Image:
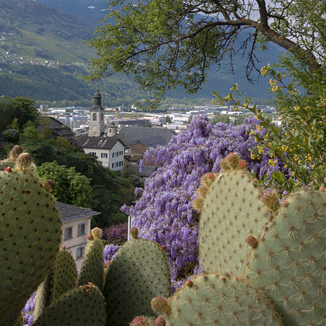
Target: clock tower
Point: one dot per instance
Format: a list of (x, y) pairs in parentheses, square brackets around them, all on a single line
[(96, 122)]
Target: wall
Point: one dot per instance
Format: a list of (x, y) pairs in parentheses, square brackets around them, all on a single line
[(76, 241)]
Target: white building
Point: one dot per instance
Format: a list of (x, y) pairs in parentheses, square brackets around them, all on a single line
[(107, 150), (76, 225)]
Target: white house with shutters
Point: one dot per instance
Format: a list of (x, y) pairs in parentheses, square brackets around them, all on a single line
[(76, 225), (109, 151)]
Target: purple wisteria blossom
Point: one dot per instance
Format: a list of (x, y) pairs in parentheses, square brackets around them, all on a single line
[(116, 234), (109, 252), (164, 213), (28, 311)]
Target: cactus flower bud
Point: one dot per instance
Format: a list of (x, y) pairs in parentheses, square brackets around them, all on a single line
[(160, 305), (97, 233), (15, 152), (24, 162), (252, 241), (49, 185), (134, 233), (159, 321)]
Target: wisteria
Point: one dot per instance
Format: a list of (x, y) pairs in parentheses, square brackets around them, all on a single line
[(116, 234), (28, 311), (164, 213), (109, 252)]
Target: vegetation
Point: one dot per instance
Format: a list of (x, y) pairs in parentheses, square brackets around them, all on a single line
[(167, 44), (80, 180)]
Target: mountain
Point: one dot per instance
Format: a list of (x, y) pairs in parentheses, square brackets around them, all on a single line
[(88, 11), (43, 56)]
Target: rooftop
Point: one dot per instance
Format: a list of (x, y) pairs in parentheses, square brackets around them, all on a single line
[(71, 213)]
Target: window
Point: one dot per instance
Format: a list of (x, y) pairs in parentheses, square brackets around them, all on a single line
[(104, 155), (112, 154), (112, 165), (80, 253), (116, 164), (102, 117), (120, 163), (127, 151), (81, 229), (94, 116), (68, 233)]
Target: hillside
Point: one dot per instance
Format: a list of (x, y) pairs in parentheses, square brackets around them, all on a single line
[(42, 56)]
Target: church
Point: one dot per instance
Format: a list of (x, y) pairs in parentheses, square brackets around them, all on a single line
[(106, 147)]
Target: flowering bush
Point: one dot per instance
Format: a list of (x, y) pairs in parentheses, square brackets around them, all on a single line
[(164, 213), (116, 234)]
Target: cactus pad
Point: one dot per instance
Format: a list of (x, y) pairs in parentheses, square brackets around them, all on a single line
[(218, 300), (93, 264), (30, 235), (82, 306), (231, 212), (65, 274), (138, 272), (289, 262)]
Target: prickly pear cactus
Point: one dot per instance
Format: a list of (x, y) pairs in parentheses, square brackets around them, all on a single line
[(82, 306), (44, 294), (231, 211), (12, 157), (65, 273), (93, 264), (210, 299), (30, 235), (289, 262), (138, 272)]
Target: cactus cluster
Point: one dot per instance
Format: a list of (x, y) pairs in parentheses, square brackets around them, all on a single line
[(263, 260), (30, 236)]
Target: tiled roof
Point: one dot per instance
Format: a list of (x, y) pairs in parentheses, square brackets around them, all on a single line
[(130, 135), (153, 142), (71, 213), (97, 142)]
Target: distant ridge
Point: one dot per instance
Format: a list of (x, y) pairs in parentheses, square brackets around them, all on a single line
[(42, 56)]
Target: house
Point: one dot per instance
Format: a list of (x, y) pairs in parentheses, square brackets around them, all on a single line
[(56, 128), (76, 225), (108, 150), (134, 152)]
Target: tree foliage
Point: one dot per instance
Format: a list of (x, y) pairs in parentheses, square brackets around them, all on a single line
[(71, 187), (167, 43), (19, 111)]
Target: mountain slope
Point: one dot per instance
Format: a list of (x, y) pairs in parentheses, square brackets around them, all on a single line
[(42, 56)]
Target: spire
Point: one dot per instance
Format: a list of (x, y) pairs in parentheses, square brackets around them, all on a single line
[(97, 100)]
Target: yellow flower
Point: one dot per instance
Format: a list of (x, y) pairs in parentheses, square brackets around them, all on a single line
[(271, 163), (274, 88)]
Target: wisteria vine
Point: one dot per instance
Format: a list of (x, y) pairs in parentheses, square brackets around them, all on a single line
[(164, 212)]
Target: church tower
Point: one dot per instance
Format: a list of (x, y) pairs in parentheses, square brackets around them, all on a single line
[(96, 122)]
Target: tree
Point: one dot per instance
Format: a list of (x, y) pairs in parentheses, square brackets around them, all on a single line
[(71, 187), (168, 43)]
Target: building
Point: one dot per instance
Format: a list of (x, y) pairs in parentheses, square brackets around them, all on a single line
[(76, 225), (109, 151), (96, 122)]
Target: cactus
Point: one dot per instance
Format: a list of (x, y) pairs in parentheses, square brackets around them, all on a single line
[(12, 157), (30, 234), (219, 300), (82, 306), (61, 278), (138, 272), (231, 211), (92, 269), (289, 262)]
